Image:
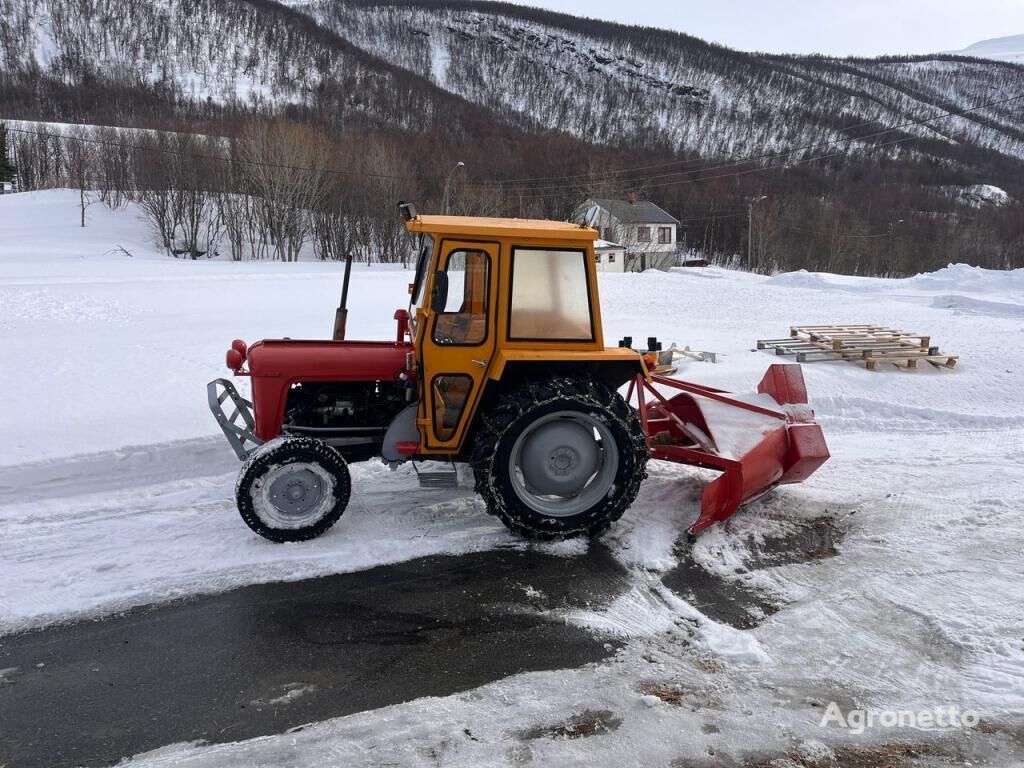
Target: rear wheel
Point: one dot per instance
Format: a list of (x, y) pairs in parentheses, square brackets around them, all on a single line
[(293, 489), (560, 458)]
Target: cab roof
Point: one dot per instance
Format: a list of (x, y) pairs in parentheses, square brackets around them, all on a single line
[(471, 226)]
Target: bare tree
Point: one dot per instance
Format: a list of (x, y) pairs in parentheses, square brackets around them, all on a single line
[(285, 164), (81, 167)]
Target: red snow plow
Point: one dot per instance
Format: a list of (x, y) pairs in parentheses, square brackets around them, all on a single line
[(499, 363), (771, 443)]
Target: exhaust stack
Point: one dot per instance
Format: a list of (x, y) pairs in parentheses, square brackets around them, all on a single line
[(341, 313)]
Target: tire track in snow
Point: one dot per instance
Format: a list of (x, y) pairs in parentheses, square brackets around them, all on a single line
[(860, 414)]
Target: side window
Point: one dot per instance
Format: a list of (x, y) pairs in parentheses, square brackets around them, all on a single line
[(664, 235), (420, 279), (422, 261), (550, 297), (464, 319), (643, 234)]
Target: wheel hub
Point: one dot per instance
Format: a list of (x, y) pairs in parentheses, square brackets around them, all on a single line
[(564, 460), (559, 457), (296, 491)]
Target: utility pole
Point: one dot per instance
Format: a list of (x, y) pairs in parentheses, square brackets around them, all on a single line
[(750, 230), (444, 205)]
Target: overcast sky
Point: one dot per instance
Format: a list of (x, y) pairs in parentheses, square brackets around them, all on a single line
[(838, 27)]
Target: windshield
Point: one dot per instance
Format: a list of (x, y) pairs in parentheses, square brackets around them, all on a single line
[(426, 249)]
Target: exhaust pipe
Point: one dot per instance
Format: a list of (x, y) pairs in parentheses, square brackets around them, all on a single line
[(341, 313)]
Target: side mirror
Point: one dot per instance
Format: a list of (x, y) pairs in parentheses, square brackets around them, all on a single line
[(408, 210), (439, 296)]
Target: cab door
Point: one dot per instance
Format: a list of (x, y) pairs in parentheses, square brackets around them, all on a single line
[(457, 341)]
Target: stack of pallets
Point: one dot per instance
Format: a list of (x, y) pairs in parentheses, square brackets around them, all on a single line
[(869, 344)]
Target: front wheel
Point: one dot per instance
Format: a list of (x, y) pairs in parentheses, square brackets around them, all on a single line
[(293, 489), (560, 458)]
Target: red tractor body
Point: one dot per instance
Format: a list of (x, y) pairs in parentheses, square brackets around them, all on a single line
[(275, 366)]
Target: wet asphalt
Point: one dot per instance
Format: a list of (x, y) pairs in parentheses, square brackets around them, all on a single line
[(266, 658)]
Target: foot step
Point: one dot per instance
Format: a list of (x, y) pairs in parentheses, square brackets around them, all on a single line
[(438, 479)]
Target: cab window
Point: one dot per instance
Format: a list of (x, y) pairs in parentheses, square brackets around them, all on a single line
[(550, 296), (450, 394), (464, 319), (422, 262)]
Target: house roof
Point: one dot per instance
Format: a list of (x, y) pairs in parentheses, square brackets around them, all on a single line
[(604, 245), (641, 212)]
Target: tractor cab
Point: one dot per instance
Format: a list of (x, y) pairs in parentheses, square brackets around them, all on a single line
[(494, 298)]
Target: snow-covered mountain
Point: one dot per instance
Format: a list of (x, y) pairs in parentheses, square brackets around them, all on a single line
[(1009, 48), (124, 62), (615, 84), (457, 65)]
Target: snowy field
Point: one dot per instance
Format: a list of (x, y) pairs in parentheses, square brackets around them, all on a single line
[(116, 491)]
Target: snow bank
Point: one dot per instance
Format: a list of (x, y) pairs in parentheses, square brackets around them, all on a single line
[(955, 277), (968, 279)]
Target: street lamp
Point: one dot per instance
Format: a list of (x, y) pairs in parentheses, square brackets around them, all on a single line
[(444, 205), (750, 230)]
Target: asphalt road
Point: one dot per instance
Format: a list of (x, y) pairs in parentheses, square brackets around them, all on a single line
[(266, 658)]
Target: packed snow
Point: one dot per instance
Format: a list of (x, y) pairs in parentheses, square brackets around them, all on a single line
[(116, 491)]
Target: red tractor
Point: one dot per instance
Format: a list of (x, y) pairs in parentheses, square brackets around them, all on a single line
[(500, 362)]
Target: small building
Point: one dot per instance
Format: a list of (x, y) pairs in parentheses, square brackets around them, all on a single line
[(646, 232), (609, 257), (6, 187)]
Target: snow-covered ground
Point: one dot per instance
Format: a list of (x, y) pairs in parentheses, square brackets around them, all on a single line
[(1009, 48), (115, 490)]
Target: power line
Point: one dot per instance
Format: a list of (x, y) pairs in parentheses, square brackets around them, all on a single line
[(559, 190), (612, 174), (196, 156), (808, 231), (763, 169), (740, 161)]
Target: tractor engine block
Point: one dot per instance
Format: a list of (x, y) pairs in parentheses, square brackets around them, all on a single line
[(351, 416)]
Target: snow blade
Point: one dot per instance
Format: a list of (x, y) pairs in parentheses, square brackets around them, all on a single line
[(756, 443)]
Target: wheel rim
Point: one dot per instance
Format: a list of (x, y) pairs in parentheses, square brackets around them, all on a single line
[(295, 495), (564, 463)]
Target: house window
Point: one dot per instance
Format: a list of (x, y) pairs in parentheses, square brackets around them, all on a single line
[(643, 234), (597, 258), (611, 258), (664, 235)]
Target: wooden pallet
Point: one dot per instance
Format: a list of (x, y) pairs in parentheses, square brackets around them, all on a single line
[(869, 344)]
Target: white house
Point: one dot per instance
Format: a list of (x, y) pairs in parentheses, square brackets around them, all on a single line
[(646, 231), (610, 257)]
